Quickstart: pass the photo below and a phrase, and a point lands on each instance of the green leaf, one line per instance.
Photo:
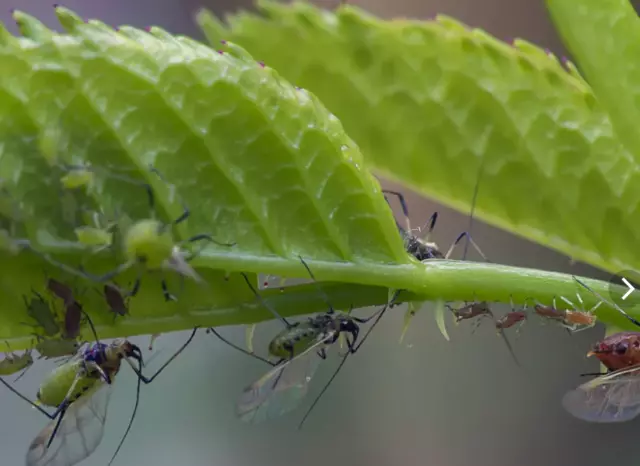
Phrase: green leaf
(608, 57)
(441, 99)
(258, 162)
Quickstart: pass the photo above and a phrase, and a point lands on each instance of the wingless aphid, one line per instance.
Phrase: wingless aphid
(52, 348)
(79, 390)
(615, 396)
(149, 244)
(13, 363)
(282, 389)
(40, 310)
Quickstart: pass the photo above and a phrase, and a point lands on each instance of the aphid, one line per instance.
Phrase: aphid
(40, 310)
(60, 290)
(50, 348)
(116, 301)
(549, 312)
(79, 390)
(615, 396)
(281, 389)
(148, 244)
(471, 310)
(577, 319)
(420, 247)
(510, 319)
(13, 363)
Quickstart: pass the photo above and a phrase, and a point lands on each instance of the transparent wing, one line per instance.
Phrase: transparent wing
(614, 397)
(79, 434)
(281, 389)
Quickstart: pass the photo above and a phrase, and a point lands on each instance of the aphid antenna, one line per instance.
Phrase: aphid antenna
(264, 303)
(467, 235)
(239, 348)
(147, 380)
(403, 206)
(474, 198)
(133, 414)
(318, 287)
(606, 301)
(352, 349)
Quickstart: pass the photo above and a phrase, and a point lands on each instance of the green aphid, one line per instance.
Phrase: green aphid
(41, 311)
(13, 363)
(77, 178)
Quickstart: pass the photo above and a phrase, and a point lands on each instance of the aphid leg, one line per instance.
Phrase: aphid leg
(594, 374)
(318, 287)
(403, 205)
(322, 353)
(165, 292)
(471, 241)
(242, 350)
(264, 303)
(378, 316)
(147, 380)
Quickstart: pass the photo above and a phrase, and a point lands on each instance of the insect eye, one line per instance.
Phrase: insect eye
(622, 348)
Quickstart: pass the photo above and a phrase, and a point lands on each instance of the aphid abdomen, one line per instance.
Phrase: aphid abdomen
(56, 386)
(293, 341)
(10, 365)
(148, 241)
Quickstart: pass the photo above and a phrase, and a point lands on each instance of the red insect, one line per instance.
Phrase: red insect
(510, 319)
(618, 351)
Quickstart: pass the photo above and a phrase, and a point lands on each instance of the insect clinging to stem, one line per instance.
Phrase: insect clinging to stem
(282, 388)
(614, 396)
(13, 363)
(40, 310)
(79, 391)
(148, 243)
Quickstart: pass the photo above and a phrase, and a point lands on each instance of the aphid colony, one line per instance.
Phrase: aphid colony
(78, 389)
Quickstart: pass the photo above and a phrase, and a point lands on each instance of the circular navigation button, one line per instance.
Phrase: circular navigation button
(629, 296)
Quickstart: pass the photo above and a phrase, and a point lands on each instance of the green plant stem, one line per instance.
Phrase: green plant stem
(446, 280)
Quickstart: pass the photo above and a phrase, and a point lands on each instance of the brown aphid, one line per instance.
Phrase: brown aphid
(469, 311)
(61, 290)
(72, 320)
(115, 300)
(510, 319)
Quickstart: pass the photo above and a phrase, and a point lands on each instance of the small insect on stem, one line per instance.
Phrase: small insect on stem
(118, 301)
(579, 319)
(51, 348)
(297, 345)
(40, 311)
(471, 310)
(13, 363)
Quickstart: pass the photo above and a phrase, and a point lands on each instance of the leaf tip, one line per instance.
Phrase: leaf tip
(67, 18)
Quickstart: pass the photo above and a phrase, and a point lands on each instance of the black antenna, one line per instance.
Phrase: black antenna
(264, 302)
(473, 207)
(318, 287)
(238, 348)
(133, 415)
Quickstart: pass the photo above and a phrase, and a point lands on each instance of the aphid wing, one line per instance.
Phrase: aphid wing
(613, 397)
(281, 389)
(80, 431)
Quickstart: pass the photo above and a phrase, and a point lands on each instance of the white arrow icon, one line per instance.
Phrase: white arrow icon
(630, 286)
